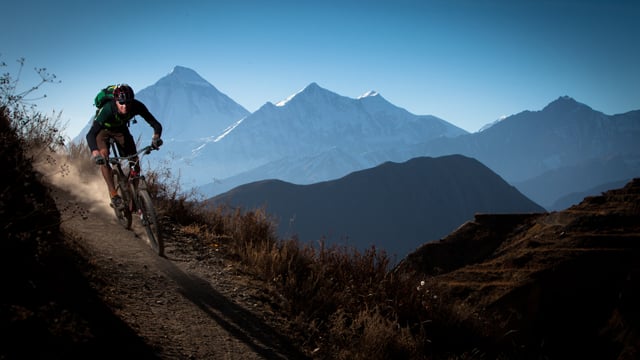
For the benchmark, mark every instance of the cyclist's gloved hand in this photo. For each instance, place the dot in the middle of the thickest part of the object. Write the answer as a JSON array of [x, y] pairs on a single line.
[[99, 159], [156, 143]]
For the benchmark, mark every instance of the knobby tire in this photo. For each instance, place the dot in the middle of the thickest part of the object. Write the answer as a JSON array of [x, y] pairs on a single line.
[[150, 221]]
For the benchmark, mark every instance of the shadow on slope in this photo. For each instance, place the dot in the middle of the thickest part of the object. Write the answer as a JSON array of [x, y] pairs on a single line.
[[47, 307]]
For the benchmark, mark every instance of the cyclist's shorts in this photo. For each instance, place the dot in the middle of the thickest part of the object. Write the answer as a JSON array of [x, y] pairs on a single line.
[[124, 140]]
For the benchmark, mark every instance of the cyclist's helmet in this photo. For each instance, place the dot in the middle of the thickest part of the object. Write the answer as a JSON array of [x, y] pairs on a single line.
[[123, 93]]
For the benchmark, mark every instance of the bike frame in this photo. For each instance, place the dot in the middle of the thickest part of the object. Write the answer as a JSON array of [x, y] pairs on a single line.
[[134, 192]]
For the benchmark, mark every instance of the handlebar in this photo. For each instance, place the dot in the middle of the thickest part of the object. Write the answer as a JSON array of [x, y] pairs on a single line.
[[145, 150]]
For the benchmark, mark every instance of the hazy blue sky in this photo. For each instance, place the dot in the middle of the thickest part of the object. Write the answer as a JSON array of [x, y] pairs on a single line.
[[465, 61]]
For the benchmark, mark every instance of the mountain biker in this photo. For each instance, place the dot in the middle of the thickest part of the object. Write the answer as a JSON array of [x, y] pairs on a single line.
[[112, 121]]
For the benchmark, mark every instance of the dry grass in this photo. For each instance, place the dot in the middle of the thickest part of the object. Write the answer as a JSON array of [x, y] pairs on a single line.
[[347, 303]]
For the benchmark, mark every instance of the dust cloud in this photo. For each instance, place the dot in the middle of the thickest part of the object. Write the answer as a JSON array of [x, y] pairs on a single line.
[[79, 177]]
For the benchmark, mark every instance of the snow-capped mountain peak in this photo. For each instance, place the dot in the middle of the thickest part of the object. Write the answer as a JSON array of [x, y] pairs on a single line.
[[183, 95], [288, 99], [308, 90], [368, 94], [183, 75]]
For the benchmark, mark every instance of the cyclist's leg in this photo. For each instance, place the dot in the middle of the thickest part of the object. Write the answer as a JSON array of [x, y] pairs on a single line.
[[128, 146], [103, 146]]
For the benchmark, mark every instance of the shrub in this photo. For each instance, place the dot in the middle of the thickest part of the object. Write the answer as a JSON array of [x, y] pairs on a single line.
[[35, 130]]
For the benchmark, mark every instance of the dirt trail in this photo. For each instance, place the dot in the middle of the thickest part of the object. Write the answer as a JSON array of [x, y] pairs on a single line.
[[182, 307]]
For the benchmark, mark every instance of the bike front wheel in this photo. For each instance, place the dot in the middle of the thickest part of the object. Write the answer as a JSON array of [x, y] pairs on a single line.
[[149, 219]]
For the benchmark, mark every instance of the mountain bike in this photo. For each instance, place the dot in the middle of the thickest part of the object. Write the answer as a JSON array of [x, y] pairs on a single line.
[[133, 189]]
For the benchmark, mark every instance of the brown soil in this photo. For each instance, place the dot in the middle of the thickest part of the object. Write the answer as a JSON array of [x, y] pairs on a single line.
[[564, 283], [182, 306]]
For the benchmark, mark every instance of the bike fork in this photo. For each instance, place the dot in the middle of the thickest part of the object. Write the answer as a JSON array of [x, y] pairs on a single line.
[[138, 211]]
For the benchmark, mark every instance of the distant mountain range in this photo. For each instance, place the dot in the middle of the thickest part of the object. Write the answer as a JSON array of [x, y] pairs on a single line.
[[564, 148], [394, 206], [315, 135]]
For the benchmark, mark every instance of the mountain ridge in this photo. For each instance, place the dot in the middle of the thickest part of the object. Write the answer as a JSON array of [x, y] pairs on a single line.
[[525, 147], [393, 206], [310, 123]]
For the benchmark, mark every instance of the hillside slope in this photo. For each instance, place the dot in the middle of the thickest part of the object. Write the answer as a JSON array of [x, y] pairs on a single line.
[[76, 285], [564, 284]]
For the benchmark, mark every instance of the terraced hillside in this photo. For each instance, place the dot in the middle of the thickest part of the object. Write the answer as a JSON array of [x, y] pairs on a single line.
[[563, 283]]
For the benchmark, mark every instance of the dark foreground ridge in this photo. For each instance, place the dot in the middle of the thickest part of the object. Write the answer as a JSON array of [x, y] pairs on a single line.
[[48, 309], [562, 284]]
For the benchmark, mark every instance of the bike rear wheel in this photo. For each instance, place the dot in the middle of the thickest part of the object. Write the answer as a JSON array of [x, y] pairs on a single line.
[[123, 215], [149, 220]]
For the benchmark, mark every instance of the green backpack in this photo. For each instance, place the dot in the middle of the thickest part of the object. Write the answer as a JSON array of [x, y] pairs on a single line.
[[104, 96]]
